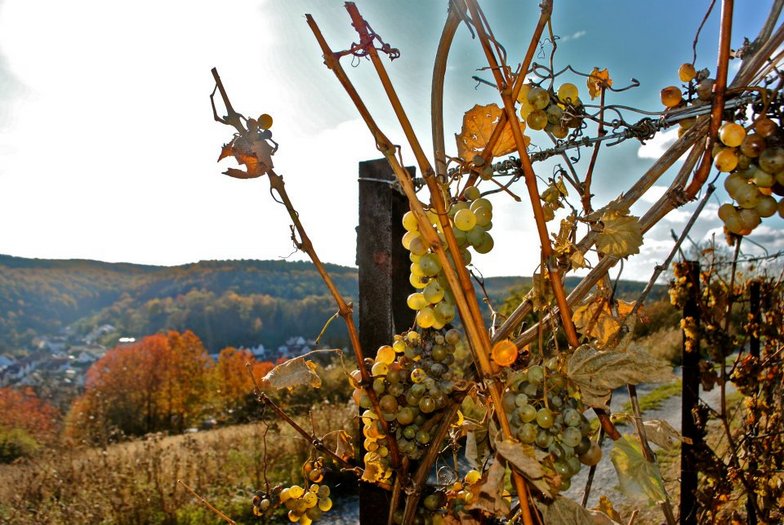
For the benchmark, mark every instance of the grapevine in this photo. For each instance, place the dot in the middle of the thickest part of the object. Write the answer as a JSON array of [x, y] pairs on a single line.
[[522, 397]]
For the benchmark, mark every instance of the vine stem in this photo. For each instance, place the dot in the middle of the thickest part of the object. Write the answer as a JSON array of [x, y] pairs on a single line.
[[719, 93], [207, 504], [458, 278]]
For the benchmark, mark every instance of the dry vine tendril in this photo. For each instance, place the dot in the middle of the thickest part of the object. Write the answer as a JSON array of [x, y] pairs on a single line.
[[518, 404]]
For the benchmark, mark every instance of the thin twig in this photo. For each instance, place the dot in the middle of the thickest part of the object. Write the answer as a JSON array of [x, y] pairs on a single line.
[[207, 504]]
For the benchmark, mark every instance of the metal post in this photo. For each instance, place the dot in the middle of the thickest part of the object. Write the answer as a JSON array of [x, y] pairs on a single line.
[[383, 286], [691, 393]]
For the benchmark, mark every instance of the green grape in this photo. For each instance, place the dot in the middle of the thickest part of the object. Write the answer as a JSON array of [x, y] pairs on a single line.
[[486, 244], [388, 403], [562, 468], [544, 418], [484, 216], [571, 436], [427, 405], [554, 114], [508, 402], [435, 501], [527, 413], [378, 385], [537, 120], [574, 464], [410, 431], [423, 437], [445, 310], [539, 98], [433, 292], [535, 375], [521, 400], [453, 336], [418, 375], [767, 206], [583, 446], [465, 220], [571, 418], [772, 160], [527, 433], [543, 439], [481, 203], [418, 246], [568, 92], [429, 264], [471, 193], [406, 416]]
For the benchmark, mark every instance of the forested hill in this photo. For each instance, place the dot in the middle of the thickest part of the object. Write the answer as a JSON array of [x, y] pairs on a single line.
[[237, 303]]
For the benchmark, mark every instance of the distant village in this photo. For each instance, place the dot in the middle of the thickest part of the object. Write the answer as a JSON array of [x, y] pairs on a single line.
[[62, 361]]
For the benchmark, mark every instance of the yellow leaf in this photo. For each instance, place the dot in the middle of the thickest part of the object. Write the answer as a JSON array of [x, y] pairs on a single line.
[[620, 237], [478, 125], [639, 478], [292, 373], [595, 319], [598, 80]]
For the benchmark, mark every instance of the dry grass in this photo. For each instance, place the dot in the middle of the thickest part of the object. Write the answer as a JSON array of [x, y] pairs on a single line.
[[136, 482]]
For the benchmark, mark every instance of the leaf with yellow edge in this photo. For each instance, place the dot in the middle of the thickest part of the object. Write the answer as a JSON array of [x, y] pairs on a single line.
[[292, 373], [599, 79], [620, 237], [595, 319], [478, 125], [639, 478], [597, 372]]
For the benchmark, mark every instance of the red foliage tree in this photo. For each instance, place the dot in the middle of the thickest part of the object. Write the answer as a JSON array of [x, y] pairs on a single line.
[[22, 409]]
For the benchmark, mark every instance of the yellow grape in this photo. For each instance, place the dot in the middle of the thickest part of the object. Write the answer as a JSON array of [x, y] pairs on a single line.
[[749, 219], [525, 110], [325, 504], [295, 491], [765, 126], [732, 134], [671, 96], [264, 121], [726, 160], [568, 92], [522, 97], [410, 222], [408, 237], [379, 369], [472, 476], [416, 301], [747, 196], [417, 281], [687, 72], [425, 317], [767, 206], [537, 120], [471, 193], [504, 352], [385, 354], [726, 211], [293, 516], [559, 131], [733, 224], [465, 220], [538, 97], [763, 179]]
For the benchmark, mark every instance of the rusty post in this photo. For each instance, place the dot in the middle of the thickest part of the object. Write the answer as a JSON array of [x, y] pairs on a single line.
[[691, 396]]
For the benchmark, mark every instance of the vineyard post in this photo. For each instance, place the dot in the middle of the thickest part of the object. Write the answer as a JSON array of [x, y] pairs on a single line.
[[691, 390], [383, 285], [755, 314]]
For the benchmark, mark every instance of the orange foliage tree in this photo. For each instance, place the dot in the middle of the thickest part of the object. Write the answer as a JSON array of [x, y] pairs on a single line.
[[234, 383], [162, 382], [22, 409]]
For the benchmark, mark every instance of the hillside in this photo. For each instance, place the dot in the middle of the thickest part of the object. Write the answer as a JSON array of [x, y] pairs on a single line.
[[226, 303]]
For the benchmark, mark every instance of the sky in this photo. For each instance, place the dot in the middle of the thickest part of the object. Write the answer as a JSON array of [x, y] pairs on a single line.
[[108, 147]]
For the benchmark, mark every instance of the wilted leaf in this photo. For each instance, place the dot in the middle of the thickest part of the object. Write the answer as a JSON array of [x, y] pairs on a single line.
[[344, 445], [605, 506], [577, 259], [596, 320], [599, 79], [255, 154], [373, 472], [524, 459], [620, 237], [292, 373], [563, 511], [226, 151], [638, 478], [661, 433], [597, 372], [462, 519], [543, 292], [488, 492], [477, 448], [478, 125]]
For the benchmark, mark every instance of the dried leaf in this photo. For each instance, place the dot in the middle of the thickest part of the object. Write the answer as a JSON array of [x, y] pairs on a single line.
[[543, 292], [478, 125], [661, 433], [597, 373], [344, 445], [488, 492], [638, 478], [373, 472], [563, 511], [524, 459], [462, 519], [226, 151], [595, 319], [577, 259], [292, 373], [620, 237], [599, 79], [605, 506]]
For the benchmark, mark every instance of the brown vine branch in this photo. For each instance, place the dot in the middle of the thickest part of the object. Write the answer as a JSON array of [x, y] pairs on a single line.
[[207, 503]]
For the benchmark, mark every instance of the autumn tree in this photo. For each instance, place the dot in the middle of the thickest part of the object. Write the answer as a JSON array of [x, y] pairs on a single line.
[[161, 382], [234, 384], [26, 421]]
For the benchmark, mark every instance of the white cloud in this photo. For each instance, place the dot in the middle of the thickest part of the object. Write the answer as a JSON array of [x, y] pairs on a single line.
[[573, 36], [658, 145]]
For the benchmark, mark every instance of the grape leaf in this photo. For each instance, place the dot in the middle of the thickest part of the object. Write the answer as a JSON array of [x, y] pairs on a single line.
[[563, 511], [661, 433], [621, 236], [255, 154], [599, 79], [478, 125], [488, 492], [639, 478], [524, 459], [597, 373], [344, 445], [292, 373], [595, 319]]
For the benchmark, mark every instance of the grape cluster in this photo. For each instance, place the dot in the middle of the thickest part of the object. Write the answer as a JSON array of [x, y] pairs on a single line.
[[304, 505], [471, 220], [753, 156], [461, 495], [413, 379], [543, 413], [555, 112]]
